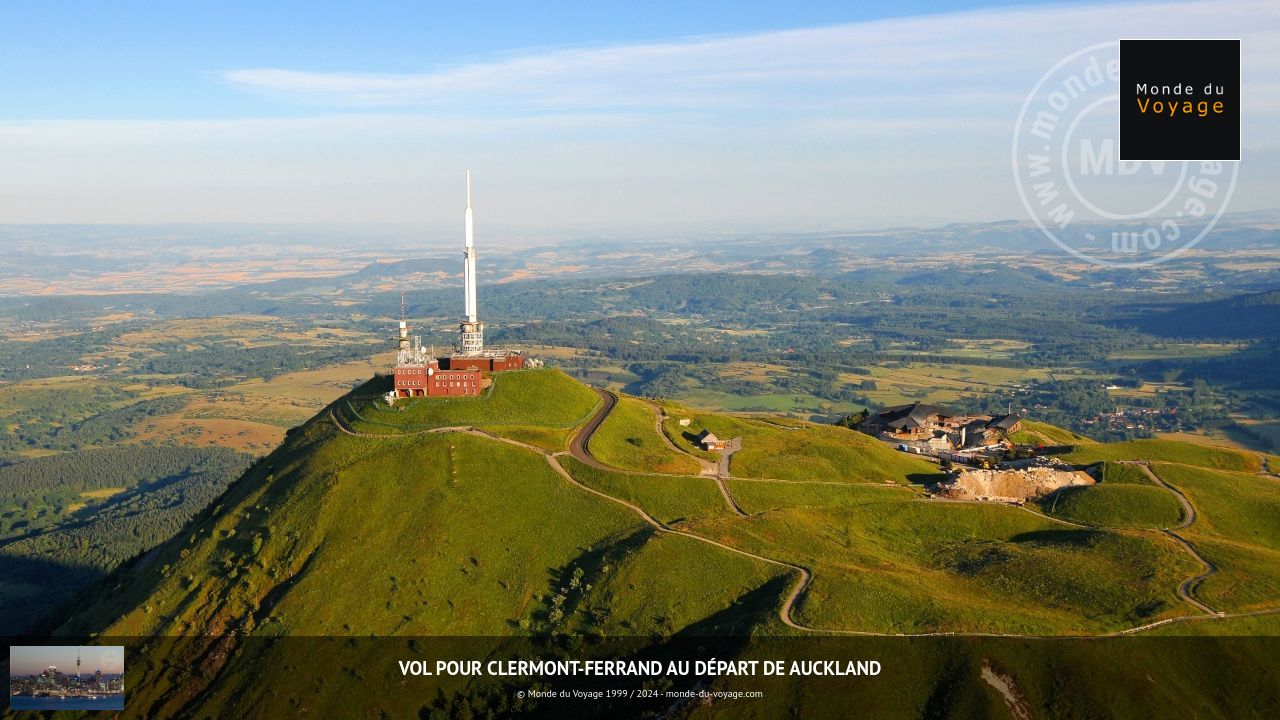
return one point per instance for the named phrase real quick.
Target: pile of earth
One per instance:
(1012, 486)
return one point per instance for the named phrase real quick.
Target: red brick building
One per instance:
(428, 380)
(490, 361)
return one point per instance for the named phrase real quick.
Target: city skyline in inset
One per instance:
(25, 660)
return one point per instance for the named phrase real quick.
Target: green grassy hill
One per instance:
(627, 440)
(1168, 451)
(1118, 505)
(368, 526)
(537, 406)
(798, 450)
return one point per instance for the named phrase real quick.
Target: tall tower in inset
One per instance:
(471, 331)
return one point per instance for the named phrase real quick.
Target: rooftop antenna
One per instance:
(402, 317)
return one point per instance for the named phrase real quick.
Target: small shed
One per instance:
(708, 441)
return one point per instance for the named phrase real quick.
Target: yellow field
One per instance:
(251, 437)
(938, 383)
(258, 407)
(253, 415)
(1147, 390)
(101, 493)
(752, 371)
(317, 387)
(993, 347)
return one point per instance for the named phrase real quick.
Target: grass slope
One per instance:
(340, 535)
(1119, 505)
(1166, 451)
(1237, 529)
(1036, 433)
(884, 560)
(668, 499)
(542, 398)
(1114, 473)
(454, 534)
(803, 452)
(628, 439)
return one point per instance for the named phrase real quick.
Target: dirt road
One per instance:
(579, 448)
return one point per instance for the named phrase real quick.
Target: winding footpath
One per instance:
(1188, 586)
(705, 466)
(579, 449)
(719, 471)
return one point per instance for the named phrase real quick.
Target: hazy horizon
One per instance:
(831, 120)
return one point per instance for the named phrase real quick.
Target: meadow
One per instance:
(1159, 450)
(1237, 528)
(1115, 505)
(627, 440)
(667, 499)
(979, 567)
(799, 451)
(544, 398)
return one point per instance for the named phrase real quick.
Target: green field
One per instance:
(1166, 451)
(1119, 505)
(1238, 529)
(803, 452)
(669, 500)
(406, 533)
(1116, 473)
(758, 496)
(627, 439)
(545, 398)
(980, 567)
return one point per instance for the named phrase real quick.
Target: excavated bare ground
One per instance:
(1012, 486)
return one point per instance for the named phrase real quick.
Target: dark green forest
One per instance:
(54, 540)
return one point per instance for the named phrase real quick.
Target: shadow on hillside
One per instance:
(570, 581)
(746, 613)
(36, 591)
(1074, 538)
(926, 478)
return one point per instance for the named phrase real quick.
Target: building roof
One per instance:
(907, 417)
(1004, 422)
(706, 436)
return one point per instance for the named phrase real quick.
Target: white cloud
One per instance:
(835, 126)
(962, 55)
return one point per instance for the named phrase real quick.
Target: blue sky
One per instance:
(147, 60)
(575, 118)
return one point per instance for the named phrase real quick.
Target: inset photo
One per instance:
(66, 677)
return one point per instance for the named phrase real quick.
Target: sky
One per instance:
(574, 118)
(32, 660)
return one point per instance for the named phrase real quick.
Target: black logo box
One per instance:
(1205, 73)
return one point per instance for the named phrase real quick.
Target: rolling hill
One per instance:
(375, 532)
